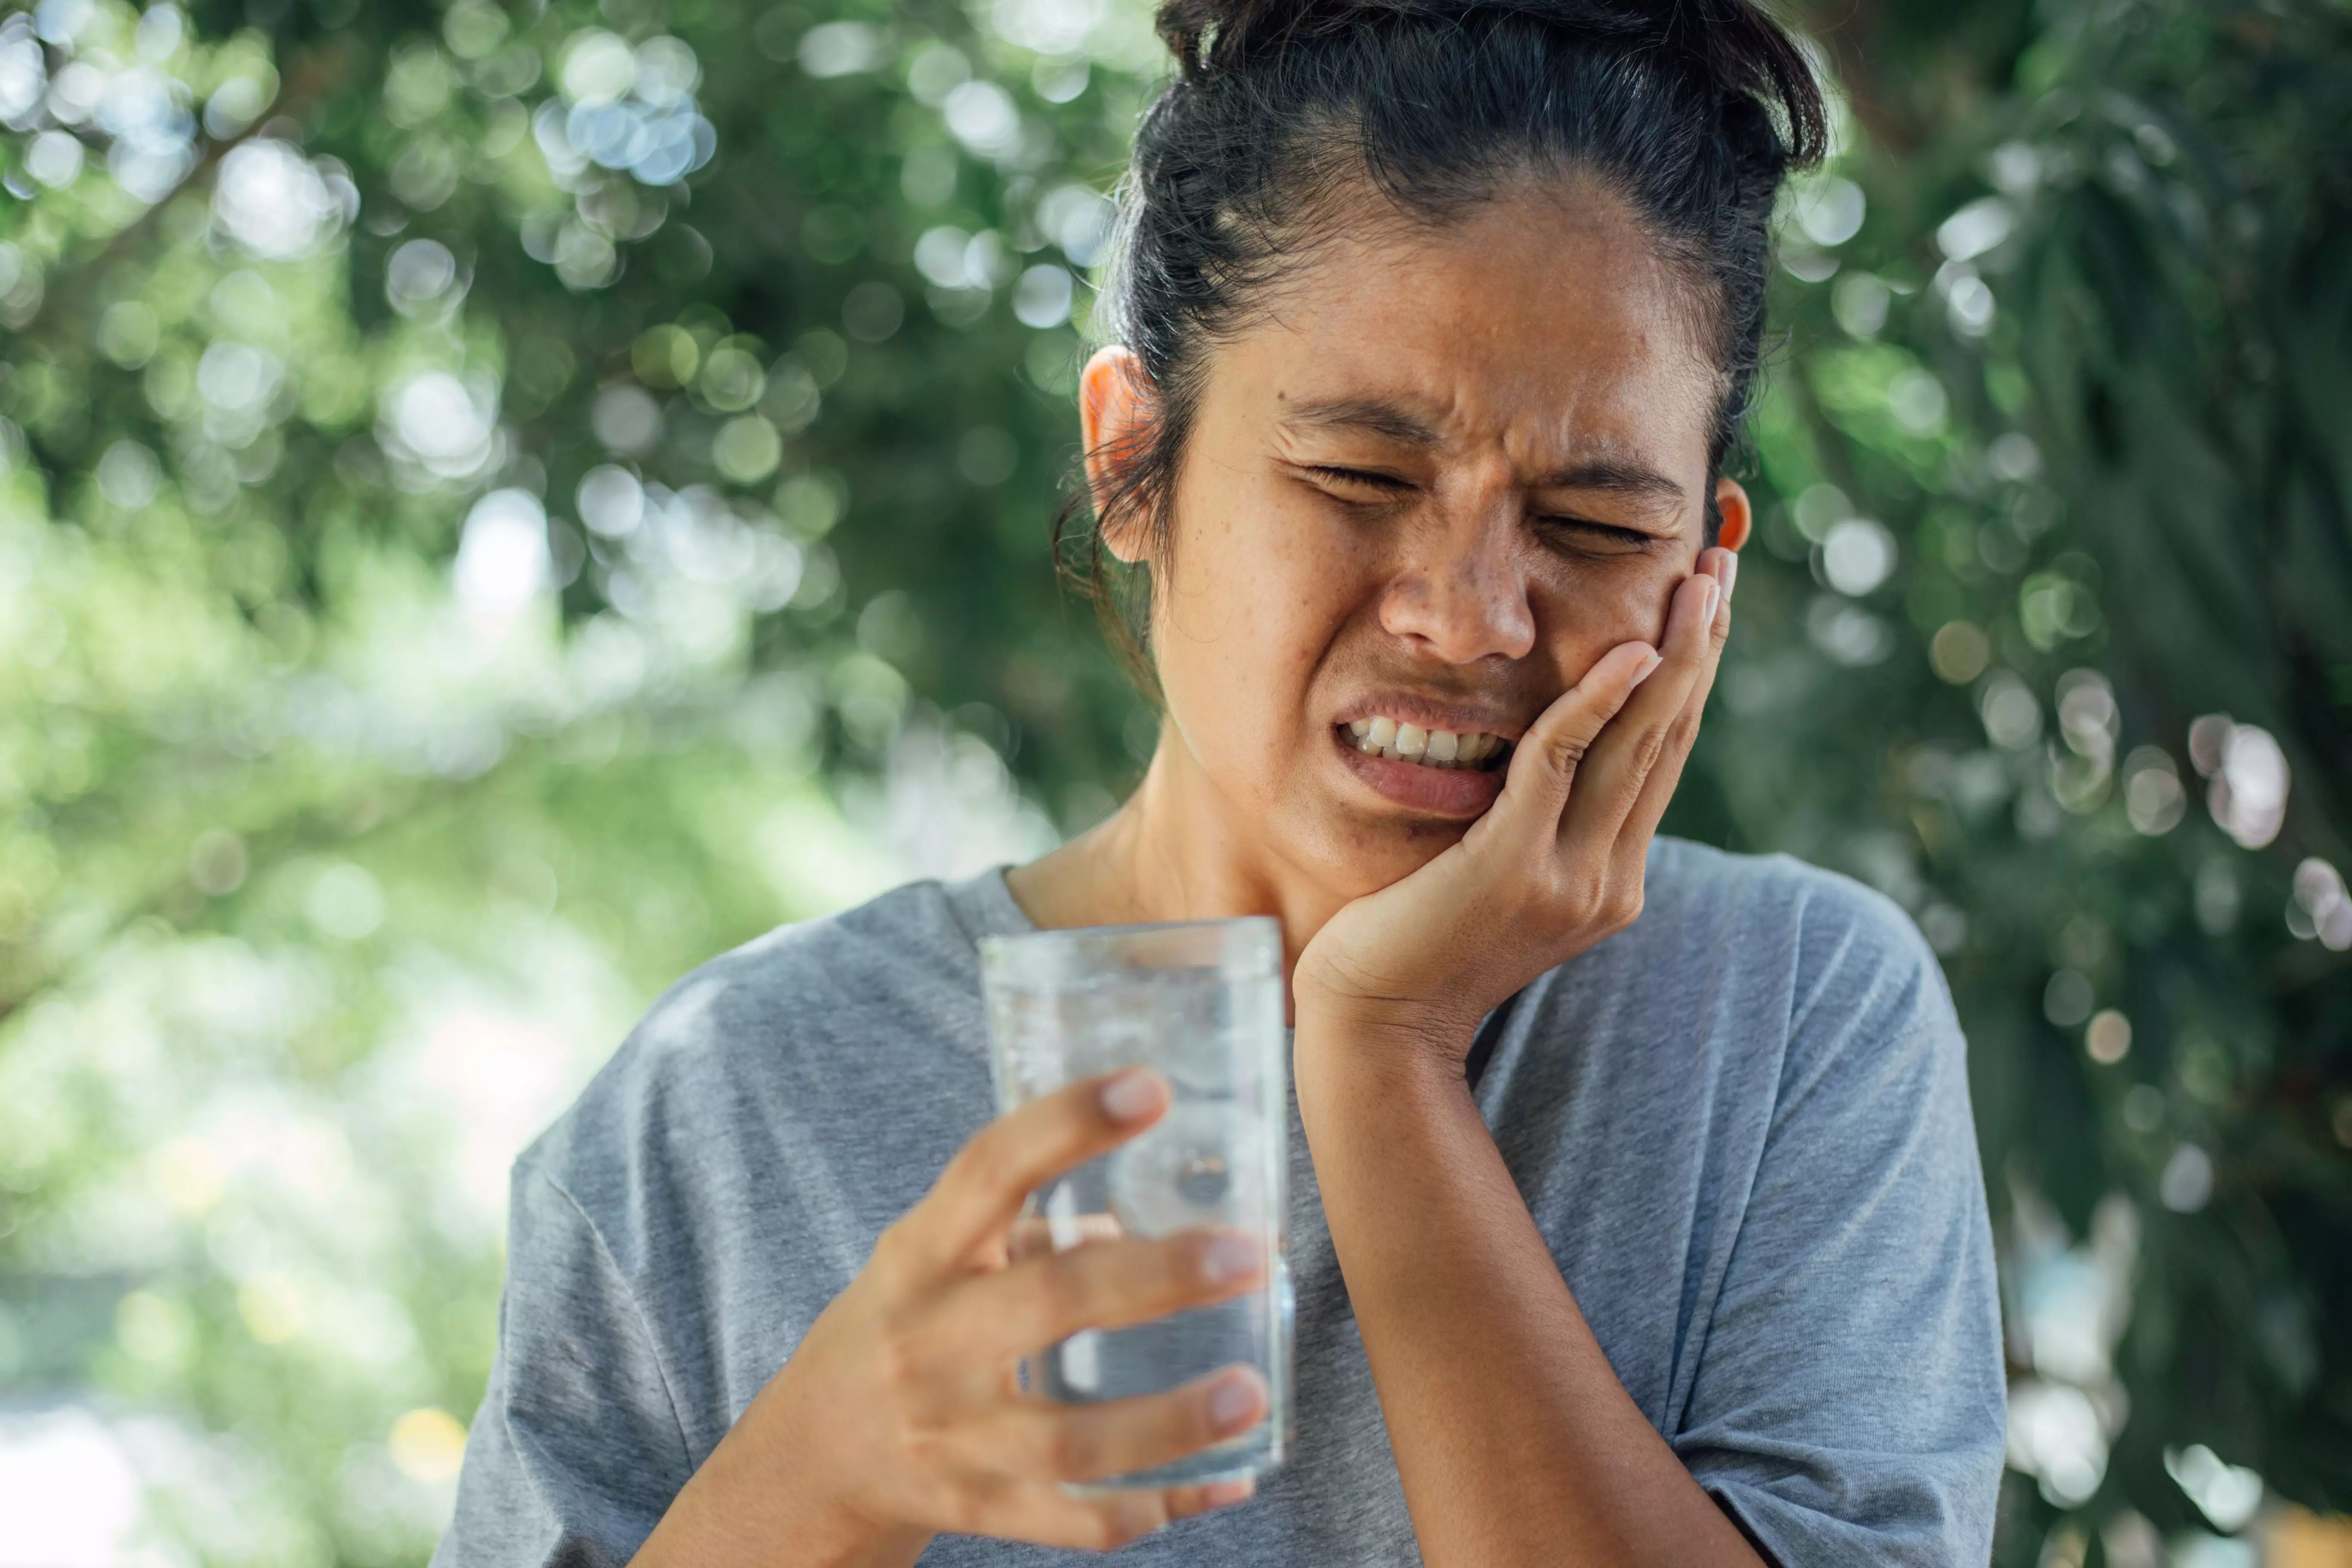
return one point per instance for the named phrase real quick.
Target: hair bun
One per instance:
(1733, 46)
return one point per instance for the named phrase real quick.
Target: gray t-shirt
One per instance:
(1742, 1124)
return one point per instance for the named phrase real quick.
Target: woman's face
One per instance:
(1444, 471)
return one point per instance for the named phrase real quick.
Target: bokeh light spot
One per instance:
(429, 1445)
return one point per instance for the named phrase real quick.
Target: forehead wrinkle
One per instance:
(1595, 460)
(1372, 416)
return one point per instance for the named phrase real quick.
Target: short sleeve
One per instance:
(1849, 1402)
(577, 1449)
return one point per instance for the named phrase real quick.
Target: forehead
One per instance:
(1545, 317)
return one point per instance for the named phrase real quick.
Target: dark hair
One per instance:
(1691, 111)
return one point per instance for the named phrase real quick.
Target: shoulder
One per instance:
(794, 1029)
(1691, 882)
(1772, 922)
(1809, 975)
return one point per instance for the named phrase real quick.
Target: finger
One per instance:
(1034, 1237)
(1184, 1502)
(1011, 1508)
(1544, 762)
(1658, 789)
(978, 1197)
(1622, 759)
(1046, 1440)
(1104, 1284)
(1045, 1512)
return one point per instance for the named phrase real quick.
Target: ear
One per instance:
(1119, 413)
(1738, 516)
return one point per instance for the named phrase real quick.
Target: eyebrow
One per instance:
(1613, 474)
(1369, 416)
(1620, 476)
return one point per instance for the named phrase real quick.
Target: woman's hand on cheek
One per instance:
(1554, 867)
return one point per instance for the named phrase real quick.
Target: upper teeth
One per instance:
(1388, 737)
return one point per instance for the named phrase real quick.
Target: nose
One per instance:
(1460, 595)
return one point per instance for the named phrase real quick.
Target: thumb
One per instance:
(1544, 764)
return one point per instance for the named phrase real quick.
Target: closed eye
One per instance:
(1361, 478)
(1604, 538)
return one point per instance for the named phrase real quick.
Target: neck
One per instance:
(1176, 850)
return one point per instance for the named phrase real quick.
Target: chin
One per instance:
(1367, 854)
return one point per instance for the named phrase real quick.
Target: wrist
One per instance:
(766, 1484)
(1365, 1029)
(1391, 1050)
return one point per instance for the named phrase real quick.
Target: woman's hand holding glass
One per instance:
(902, 1413)
(1552, 867)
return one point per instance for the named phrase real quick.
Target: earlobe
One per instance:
(1738, 517)
(1117, 411)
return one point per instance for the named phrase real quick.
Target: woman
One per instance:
(1637, 1213)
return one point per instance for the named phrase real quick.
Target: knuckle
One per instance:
(1567, 748)
(962, 1169)
(1072, 1450)
(985, 1165)
(1134, 1517)
(1066, 1288)
(897, 1366)
(1076, 1524)
(966, 1511)
(896, 1251)
(925, 1451)
(1181, 1268)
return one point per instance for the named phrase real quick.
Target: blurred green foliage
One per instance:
(498, 504)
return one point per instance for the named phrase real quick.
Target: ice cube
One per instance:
(1203, 1163)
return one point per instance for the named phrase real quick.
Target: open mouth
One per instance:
(1474, 751)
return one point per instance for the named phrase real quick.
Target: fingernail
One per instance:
(1232, 1399)
(1133, 1093)
(1712, 596)
(1649, 667)
(1731, 571)
(1231, 1258)
(1224, 1494)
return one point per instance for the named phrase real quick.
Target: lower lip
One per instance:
(1440, 792)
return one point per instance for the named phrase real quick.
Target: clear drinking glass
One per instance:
(1200, 1001)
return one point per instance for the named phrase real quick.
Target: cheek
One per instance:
(1586, 608)
(1262, 585)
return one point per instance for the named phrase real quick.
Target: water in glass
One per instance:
(1202, 1002)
